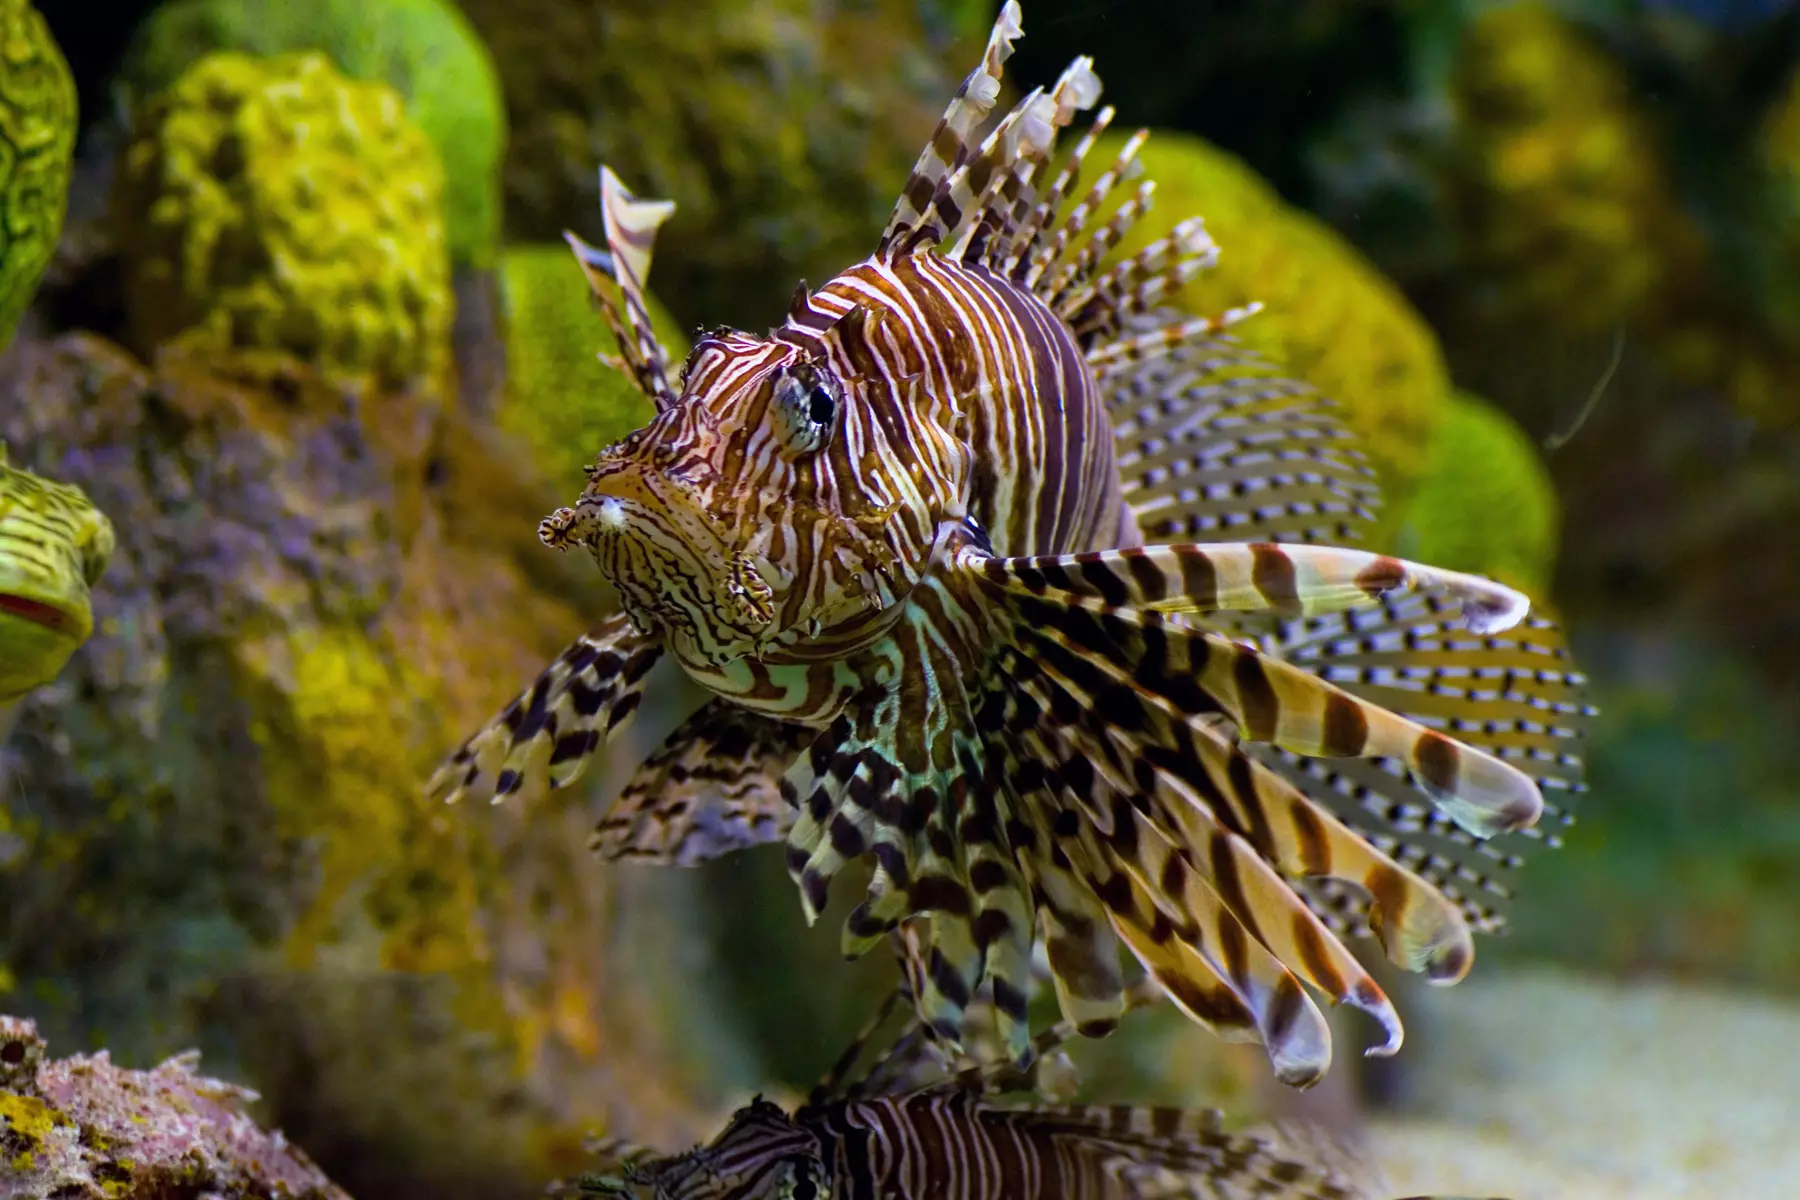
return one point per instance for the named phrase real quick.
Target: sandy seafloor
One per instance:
(1542, 1085)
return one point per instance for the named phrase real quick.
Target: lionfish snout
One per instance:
(675, 566)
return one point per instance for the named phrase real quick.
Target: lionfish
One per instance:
(918, 1126)
(907, 544)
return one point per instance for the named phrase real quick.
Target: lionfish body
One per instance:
(902, 541)
(920, 1126)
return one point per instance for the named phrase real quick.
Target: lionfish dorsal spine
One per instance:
(913, 221)
(631, 224)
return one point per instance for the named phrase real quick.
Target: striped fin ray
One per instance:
(1294, 581)
(1205, 795)
(914, 218)
(1066, 290)
(631, 226)
(711, 788)
(1131, 650)
(547, 735)
(861, 791)
(1053, 252)
(1213, 445)
(1009, 160)
(1513, 694)
(978, 196)
(1029, 240)
(1202, 910)
(1117, 357)
(1099, 307)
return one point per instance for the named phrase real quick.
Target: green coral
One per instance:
(561, 401)
(1560, 197)
(1330, 318)
(275, 205)
(1487, 503)
(423, 49)
(37, 143)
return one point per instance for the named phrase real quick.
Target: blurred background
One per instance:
(288, 300)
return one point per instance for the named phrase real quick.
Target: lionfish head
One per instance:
(763, 1154)
(749, 518)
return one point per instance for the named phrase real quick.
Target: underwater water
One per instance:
(1114, 626)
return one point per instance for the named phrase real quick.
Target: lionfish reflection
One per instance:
(923, 1127)
(902, 541)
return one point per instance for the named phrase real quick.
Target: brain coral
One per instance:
(561, 400)
(1331, 318)
(1486, 503)
(274, 204)
(423, 49)
(37, 140)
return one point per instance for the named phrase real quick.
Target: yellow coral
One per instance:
(273, 204)
(1331, 318)
(1487, 503)
(561, 401)
(1559, 195)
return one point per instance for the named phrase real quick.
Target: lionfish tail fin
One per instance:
(915, 218)
(547, 735)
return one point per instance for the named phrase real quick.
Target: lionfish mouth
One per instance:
(630, 521)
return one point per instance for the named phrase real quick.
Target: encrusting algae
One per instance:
(907, 544)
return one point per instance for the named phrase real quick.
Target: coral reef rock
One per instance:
(81, 1128)
(782, 129)
(37, 145)
(316, 586)
(274, 204)
(423, 49)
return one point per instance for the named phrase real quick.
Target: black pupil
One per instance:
(804, 1187)
(819, 405)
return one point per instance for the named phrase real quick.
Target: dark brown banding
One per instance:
(1380, 577)
(1199, 581)
(1346, 725)
(1272, 571)
(1256, 696)
(1151, 583)
(1389, 889)
(1314, 954)
(1438, 760)
(1314, 848)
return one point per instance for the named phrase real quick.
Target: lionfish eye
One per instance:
(806, 401)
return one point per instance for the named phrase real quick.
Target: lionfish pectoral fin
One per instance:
(547, 735)
(1104, 609)
(712, 788)
(1213, 445)
(925, 795)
